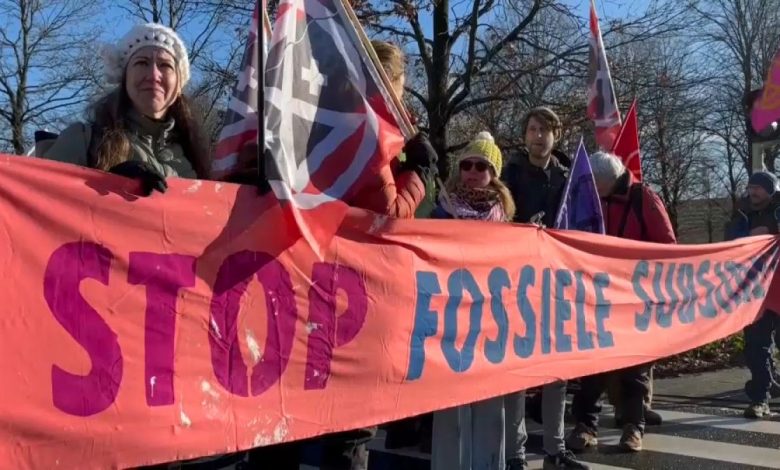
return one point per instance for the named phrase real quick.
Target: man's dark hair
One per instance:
(548, 117)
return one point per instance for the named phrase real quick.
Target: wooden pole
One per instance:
(406, 126)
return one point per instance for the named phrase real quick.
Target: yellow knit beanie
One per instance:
(483, 146)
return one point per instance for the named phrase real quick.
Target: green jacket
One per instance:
(428, 204)
(152, 142)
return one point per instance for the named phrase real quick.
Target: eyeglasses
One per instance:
(480, 166)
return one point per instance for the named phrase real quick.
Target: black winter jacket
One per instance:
(536, 190)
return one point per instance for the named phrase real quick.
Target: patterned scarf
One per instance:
(474, 204)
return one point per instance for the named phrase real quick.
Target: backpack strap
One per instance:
(635, 203)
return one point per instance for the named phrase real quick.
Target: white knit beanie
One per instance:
(116, 57)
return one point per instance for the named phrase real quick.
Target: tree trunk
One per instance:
(438, 117)
(17, 137)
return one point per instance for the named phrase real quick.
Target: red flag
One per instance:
(602, 103)
(627, 143)
(329, 120)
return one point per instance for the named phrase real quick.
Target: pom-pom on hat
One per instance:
(116, 57)
(483, 146)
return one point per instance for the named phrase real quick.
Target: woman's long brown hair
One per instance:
(109, 115)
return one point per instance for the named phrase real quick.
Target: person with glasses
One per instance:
(471, 437)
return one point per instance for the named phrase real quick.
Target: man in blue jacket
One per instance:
(758, 214)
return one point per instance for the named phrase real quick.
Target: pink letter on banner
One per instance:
(68, 266)
(163, 275)
(232, 281)
(328, 331)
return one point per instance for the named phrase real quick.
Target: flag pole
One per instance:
(406, 126)
(265, 23)
(262, 25)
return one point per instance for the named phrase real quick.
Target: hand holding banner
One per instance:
(139, 331)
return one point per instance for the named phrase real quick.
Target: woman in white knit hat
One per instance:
(144, 128)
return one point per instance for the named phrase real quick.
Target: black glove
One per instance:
(420, 154)
(263, 187)
(252, 178)
(149, 178)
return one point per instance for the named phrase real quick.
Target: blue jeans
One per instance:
(759, 338)
(553, 410)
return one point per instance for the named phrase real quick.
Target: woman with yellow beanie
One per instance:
(471, 437)
(474, 190)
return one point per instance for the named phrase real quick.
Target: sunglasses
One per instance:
(480, 166)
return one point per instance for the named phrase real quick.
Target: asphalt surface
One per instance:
(703, 429)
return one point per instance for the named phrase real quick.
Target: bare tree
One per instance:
(728, 146)
(743, 38)
(215, 32)
(46, 69)
(673, 106)
(202, 20)
(471, 59)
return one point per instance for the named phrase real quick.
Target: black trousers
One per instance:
(634, 385)
(340, 451)
(759, 338)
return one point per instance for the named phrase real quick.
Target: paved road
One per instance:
(690, 438)
(703, 429)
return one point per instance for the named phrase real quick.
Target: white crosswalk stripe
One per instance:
(662, 442)
(735, 423)
(703, 449)
(685, 440)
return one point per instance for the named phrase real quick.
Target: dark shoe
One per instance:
(581, 438)
(631, 440)
(652, 418)
(516, 464)
(563, 459)
(774, 390)
(758, 411)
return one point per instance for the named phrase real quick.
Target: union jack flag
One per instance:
(236, 150)
(328, 121)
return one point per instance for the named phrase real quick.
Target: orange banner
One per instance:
(138, 331)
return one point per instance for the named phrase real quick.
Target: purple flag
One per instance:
(580, 207)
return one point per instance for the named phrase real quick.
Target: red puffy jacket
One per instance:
(391, 192)
(634, 211)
